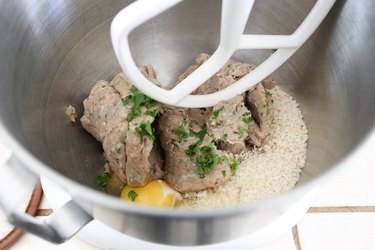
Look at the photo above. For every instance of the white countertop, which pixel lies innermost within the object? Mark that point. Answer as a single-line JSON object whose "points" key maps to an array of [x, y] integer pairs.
{"points": [[341, 217]]}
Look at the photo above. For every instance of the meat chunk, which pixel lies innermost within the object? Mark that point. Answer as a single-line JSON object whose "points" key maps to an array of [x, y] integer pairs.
{"points": [[199, 115], [261, 106], [268, 83], [130, 155], [228, 74], [139, 170], [98, 105], [105, 118], [181, 172], [200, 59], [228, 126], [200, 145], [226, 132]]}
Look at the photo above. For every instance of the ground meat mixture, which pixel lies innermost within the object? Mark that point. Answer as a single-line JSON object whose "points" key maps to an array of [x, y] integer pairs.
{"points": [[196, 151], [123, 129]]}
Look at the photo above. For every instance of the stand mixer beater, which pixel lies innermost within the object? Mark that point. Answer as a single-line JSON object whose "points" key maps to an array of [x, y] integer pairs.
{"points": [[234, 16]]}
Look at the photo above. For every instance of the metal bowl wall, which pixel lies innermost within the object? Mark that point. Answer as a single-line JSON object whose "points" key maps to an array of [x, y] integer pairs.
{"points": [[53, 51]]}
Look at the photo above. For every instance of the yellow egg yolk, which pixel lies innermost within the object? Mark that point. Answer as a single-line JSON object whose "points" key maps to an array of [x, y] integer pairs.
{"points": [[156, 193]]}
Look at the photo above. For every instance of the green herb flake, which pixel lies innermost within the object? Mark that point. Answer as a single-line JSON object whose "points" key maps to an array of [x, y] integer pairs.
{"points": [[134, 114], [224, 158], [151, 103], [139, 100], [200, 134], [216, 113], [269, 94], [206, 161], [181, 132], [187, 121], [152, 112], [233, 163], [225, 138], [191, 150], [224, 173], [126, 100], [132, 195], [274, 50], [101, 180], [247, 119], [145, 129], [243, 131]]}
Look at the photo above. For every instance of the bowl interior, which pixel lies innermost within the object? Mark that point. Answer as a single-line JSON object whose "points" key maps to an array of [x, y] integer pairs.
{"points": [[53, 53]]}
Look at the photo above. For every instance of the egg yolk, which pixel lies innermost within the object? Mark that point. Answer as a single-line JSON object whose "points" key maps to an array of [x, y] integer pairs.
{"points": [[155, 193]]}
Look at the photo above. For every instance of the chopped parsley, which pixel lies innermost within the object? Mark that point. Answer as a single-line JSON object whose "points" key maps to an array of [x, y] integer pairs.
{"points": [[216, 113], [132, 195], [268, 93], [139, 100], [224, 173], [243, 131], [145, 129], [204, 157], [269, 100], [181, 132], [101, 180], [206, 160], [248, 118], [274, 50], [225, 138], [191, 150], [152, 112], [200, 134], [151, 103], [233, 163]]}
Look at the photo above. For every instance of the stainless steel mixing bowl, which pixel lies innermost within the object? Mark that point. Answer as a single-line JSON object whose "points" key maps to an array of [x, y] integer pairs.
{"points": [[53, 51]]}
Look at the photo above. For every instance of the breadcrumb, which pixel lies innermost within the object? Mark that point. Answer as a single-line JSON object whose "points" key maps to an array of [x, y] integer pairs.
{"points": [[70, 112], [265, 172]]}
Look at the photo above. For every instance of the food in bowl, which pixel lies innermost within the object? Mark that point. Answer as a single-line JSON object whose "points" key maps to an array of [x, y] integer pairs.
{"points": [[248, 148]]}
